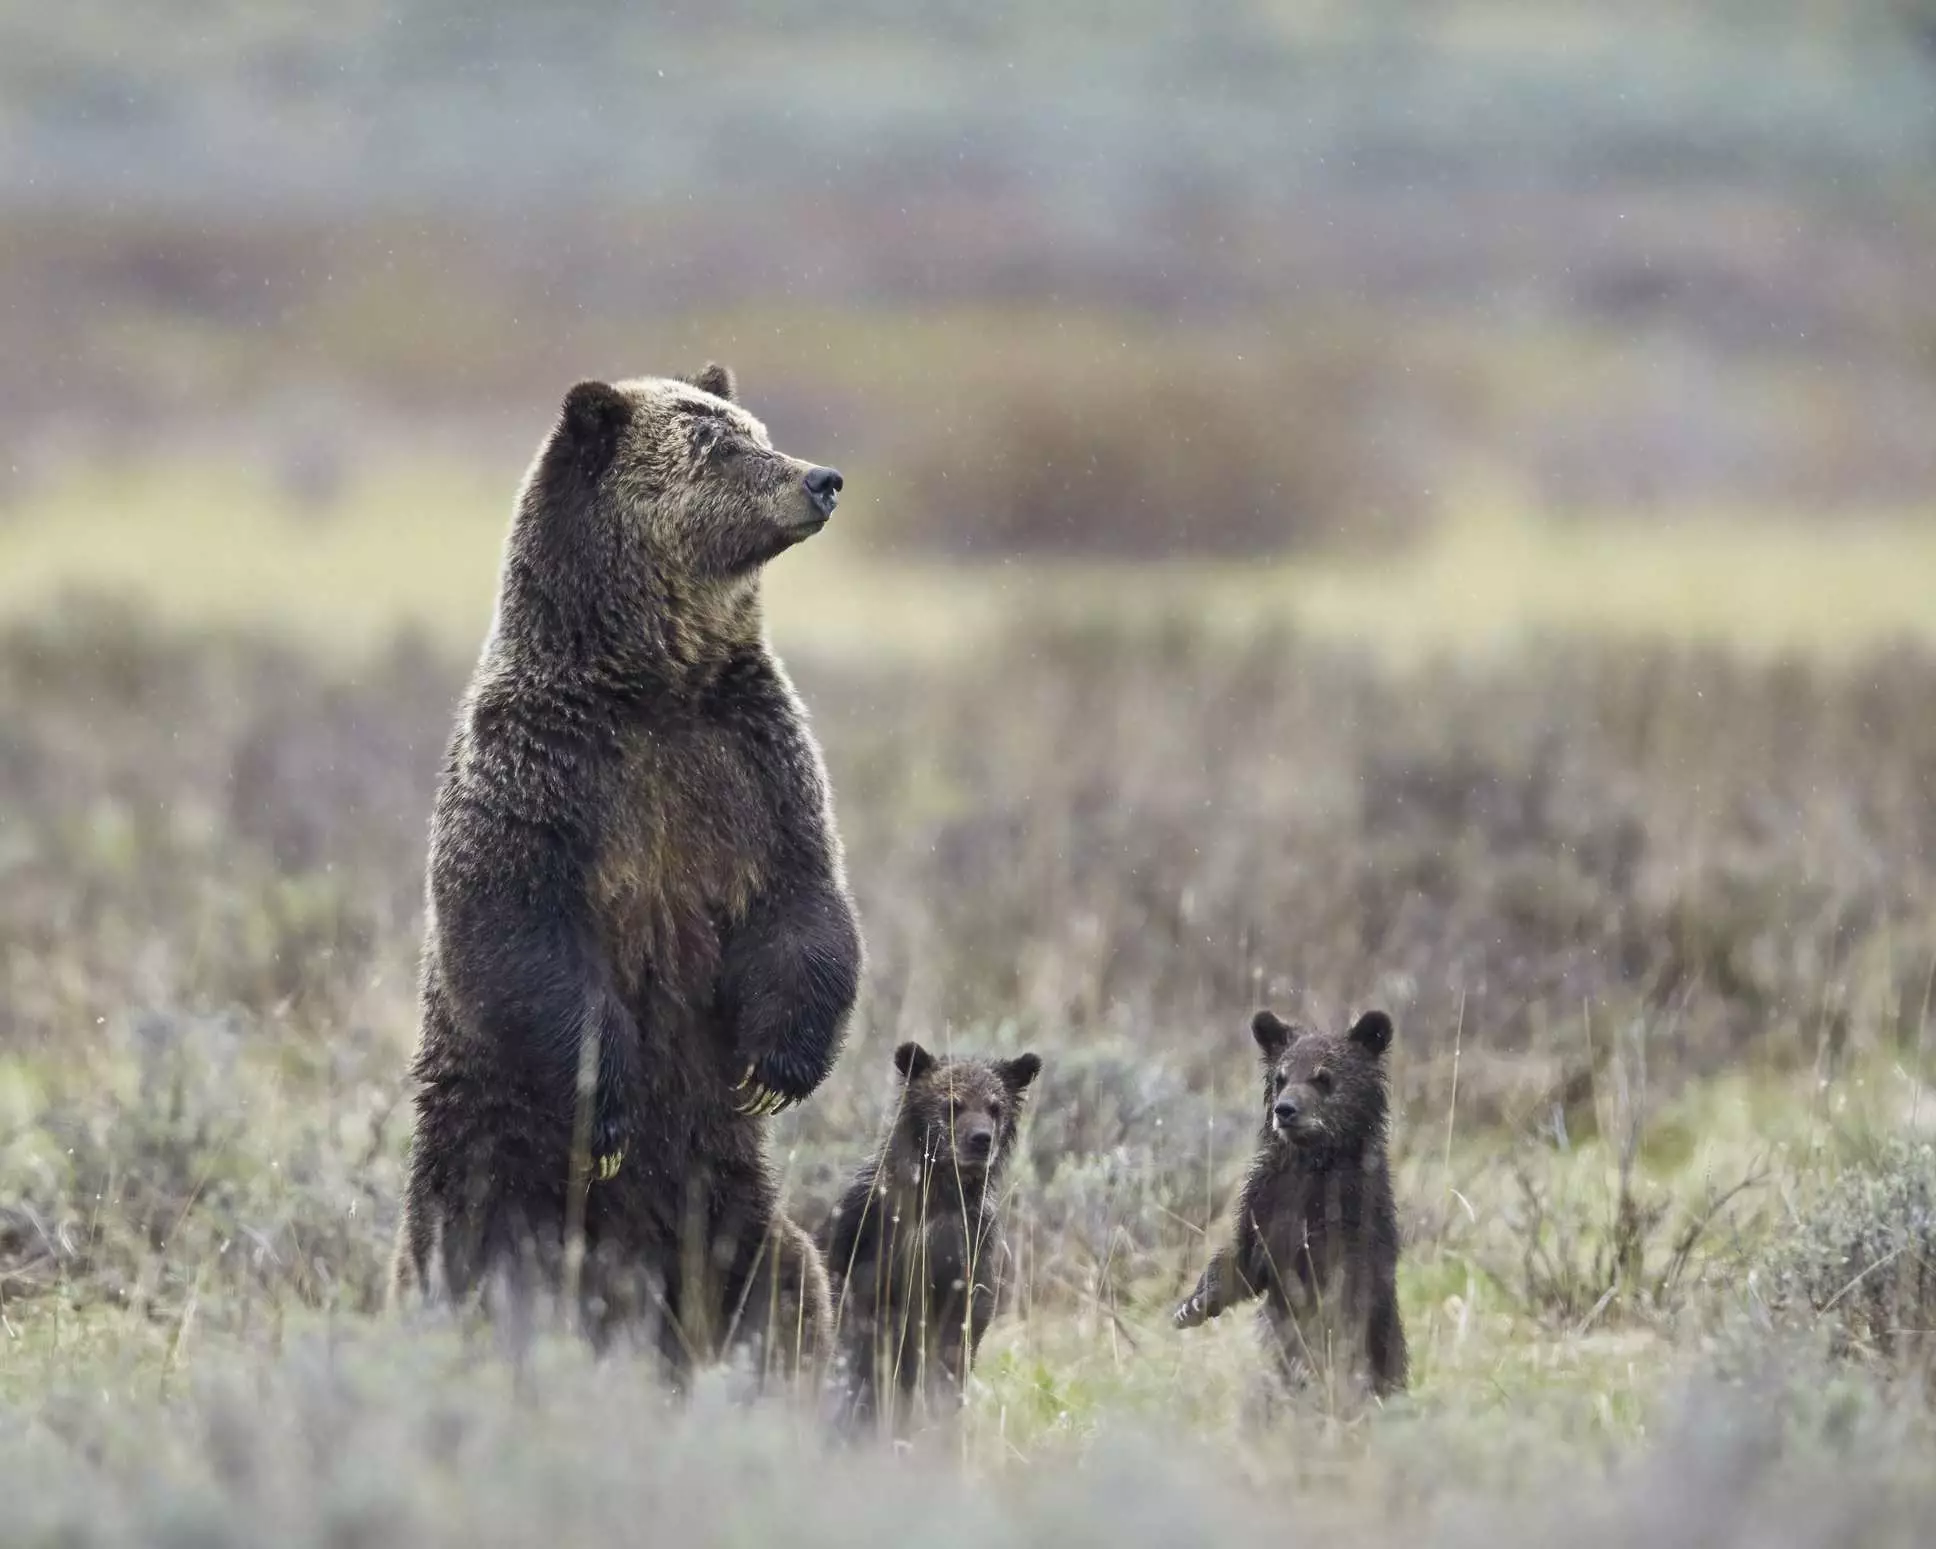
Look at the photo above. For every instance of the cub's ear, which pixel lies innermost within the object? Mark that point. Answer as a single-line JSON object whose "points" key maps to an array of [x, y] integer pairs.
{"points": [[1272, 1032], [715, 379], [1372, 1032], [1019, 1072], [594, 415], [913, 1061]]}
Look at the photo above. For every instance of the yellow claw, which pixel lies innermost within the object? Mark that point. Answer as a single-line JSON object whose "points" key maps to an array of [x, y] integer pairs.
{"points": [[608, 1166], [764, 1102]]}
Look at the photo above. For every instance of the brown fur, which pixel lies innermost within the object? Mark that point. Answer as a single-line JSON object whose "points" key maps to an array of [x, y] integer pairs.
{"points": [[1317, 1228], [638, 923], [915, 1247]]}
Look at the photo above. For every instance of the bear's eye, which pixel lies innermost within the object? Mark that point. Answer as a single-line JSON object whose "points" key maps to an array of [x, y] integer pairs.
{"points": [[995, 1112], [1322, 1083], [713, 437], [1277, 1081]]}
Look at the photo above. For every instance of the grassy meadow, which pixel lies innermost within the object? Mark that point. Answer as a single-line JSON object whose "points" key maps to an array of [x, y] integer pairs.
{"points": [[1632, 827], [1426, 505], [412, 544]]}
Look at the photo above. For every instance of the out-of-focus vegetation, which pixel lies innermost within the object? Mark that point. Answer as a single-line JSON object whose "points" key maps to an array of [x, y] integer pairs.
{"points": [[1425, 504], [1659, 928], [414, 544], [1209, 278], [1862, 1261]]}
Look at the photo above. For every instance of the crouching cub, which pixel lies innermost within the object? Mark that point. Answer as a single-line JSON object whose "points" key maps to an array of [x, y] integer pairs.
{"points": [[914, 1249], [1317, 1229]]}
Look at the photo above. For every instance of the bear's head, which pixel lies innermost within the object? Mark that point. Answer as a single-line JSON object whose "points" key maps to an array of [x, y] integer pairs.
{"points": [[960, 1111], [648, 513], [1324, 1093]]}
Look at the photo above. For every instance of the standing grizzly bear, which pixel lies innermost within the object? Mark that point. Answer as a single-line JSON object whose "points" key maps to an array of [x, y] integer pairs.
{"points": [[639, 938], [1317, 1229], [915, 1248]]}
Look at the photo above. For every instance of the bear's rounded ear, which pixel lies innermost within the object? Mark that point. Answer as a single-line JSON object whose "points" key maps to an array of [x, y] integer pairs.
{"points": [[1272, 1032], [1372, 1032], [1019, 1072], [913, 1061], [715, 379], [593, 415]]}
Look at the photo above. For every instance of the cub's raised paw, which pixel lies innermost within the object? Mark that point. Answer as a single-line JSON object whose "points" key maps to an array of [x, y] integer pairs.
{"points": [[1188, 1314]]}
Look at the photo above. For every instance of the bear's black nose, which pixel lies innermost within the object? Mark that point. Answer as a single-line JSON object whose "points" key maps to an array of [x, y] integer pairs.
{"points": [[823, 488], [1286, 1110]]}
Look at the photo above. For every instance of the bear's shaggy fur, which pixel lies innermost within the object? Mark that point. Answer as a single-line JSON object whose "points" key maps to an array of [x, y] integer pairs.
{"points": [[639, 936], [915, 1248], [1317, 1229]]}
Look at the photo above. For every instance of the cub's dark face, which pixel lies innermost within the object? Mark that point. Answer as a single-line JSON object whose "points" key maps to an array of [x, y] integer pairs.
{"points": [[962, 1112], [1324, 1093], [676, 467]]}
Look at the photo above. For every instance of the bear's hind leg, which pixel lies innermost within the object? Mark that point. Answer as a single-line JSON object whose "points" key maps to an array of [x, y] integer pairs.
{"points": [[785, 1318]]}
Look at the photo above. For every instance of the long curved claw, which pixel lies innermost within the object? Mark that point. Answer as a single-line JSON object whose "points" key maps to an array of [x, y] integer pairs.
{"points": [[759, 1100], [606, 1167]]}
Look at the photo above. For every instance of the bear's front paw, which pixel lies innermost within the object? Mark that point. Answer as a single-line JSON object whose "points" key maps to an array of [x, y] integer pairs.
{"points": [[608, 1146], [773, 1083], [1190, 1312]]}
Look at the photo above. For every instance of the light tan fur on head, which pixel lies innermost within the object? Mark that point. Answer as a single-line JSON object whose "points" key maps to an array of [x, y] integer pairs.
{"points": [[666, 497], [693, 470]]}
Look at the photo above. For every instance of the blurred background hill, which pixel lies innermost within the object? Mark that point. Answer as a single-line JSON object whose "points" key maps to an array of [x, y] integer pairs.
{"points": [[1084, 282]]}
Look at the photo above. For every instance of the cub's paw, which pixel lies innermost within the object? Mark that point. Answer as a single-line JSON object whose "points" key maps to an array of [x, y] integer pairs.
{"points": [[1189, 1312]]}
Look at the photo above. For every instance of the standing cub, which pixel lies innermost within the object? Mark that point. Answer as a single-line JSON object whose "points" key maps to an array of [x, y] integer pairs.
{"points": [[1317, 1229], [915, 1251]]}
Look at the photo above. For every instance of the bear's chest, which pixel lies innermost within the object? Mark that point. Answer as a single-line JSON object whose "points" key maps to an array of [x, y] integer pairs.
{"points": [[684, 852], [1311, 1232]]}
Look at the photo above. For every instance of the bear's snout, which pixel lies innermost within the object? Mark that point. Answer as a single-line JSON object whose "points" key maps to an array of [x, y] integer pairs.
{"points": [[823, 489], [974, 1140]]}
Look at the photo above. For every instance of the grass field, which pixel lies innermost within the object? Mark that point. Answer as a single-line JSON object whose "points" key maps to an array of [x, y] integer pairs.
{"points": [[1639, 847], [415, 545], [1576, 377]]}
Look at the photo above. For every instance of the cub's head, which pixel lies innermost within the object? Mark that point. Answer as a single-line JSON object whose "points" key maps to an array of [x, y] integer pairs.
{"points": [[959, 1110], [1324, 1093], [658, 491]]}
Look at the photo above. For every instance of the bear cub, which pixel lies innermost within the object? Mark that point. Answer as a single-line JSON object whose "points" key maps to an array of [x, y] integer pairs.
{"points": [[1317, 1229], [915, 1251]]}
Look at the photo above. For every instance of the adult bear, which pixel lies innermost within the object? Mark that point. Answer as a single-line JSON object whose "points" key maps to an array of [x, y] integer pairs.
{"points": [[639, 938]]}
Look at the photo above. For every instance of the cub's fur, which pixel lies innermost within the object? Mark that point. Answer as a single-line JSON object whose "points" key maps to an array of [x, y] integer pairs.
{"points": [[1317, 1229], [915, 1249]]}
